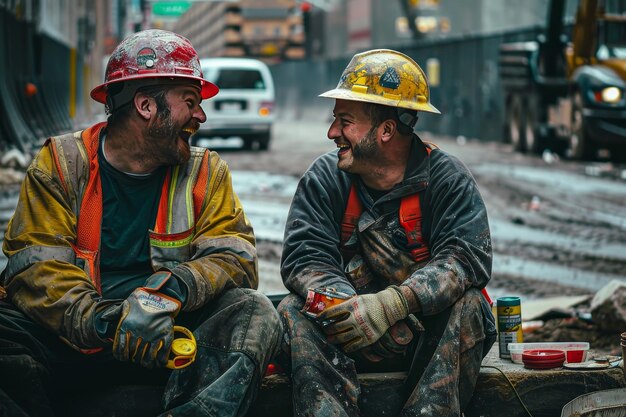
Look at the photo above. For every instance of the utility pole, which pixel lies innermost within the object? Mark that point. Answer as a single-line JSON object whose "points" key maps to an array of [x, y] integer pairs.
{"points": [[305, 8], [409, 7]]}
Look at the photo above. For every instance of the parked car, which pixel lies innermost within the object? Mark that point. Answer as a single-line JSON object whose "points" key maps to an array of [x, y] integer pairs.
{"points": [[244, 106]]}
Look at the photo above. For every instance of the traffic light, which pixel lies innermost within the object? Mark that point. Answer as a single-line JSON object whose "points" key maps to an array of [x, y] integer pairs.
{"points": [[306, 7]]}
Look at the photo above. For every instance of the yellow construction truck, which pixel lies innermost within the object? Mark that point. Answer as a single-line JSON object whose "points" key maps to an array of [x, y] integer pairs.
{"points": [[567, 89]]}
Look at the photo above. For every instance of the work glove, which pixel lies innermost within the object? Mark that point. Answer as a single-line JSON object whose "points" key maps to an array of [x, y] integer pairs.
{"points": [[362, 320], [145, 330], [395, 342]]}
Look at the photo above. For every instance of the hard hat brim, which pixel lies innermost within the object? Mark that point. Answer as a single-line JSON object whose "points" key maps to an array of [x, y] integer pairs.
{"points": [[342, 94], [208, 90]]}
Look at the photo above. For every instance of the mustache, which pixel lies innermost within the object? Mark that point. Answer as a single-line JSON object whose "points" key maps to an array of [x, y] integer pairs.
{"points": [[193, 126]]}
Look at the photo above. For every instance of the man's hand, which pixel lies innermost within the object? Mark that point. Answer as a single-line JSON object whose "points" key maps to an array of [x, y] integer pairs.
{"points": [[396, 341], [145, 331], [362, 320]]}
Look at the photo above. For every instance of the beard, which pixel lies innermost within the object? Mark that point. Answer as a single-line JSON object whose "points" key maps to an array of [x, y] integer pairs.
{"points": [[362, 154], [367, 147], [167, 145]]}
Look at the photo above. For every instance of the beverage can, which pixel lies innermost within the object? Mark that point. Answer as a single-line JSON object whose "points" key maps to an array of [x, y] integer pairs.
{"points": [[509, 311], [319, 299]]}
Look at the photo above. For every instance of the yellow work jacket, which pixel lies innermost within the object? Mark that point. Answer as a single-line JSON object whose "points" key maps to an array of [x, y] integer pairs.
{"points": [[52, 241]]}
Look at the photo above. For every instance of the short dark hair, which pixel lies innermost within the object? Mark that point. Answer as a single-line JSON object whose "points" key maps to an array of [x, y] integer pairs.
{"points": [[378, 113], [157, 92]]}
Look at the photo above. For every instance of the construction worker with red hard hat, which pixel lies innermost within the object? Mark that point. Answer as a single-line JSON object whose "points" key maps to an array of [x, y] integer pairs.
{"points": [[386, 254], [123, 232]]}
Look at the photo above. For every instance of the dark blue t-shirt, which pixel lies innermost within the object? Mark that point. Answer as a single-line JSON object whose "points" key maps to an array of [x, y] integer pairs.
{"points": [[129, 209]]}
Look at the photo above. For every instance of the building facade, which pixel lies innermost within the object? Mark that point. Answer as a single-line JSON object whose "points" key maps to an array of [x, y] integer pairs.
{"points": [[271, 30], [354, 25]]}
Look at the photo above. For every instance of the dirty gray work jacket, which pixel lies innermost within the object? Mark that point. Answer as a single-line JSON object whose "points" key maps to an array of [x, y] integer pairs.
{"points": [[454, 226]]}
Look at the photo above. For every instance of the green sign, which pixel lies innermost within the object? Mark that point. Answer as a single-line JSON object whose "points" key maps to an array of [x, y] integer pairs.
{"points": [[170, 8]]}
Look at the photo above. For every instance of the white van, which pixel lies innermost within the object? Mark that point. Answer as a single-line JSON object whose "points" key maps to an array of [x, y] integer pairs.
{"points": [[244, 106]]}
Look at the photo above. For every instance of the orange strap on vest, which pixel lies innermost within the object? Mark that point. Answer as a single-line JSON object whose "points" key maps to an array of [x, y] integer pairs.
{"points": [[199, 189], [410, 217], [351, 215], [162, 212]]}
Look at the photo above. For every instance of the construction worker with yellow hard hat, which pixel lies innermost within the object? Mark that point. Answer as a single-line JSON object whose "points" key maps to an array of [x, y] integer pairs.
{"points": [[396, 229]]}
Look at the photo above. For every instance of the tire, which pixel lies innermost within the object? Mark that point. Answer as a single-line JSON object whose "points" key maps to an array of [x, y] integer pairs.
{"points": [[258, 142], [579, 146], [264, 141], [248, 143], [515, 123], [618, 153]]}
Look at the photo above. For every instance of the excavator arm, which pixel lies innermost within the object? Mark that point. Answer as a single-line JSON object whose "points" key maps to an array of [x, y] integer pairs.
{"points": [[584, 37]]}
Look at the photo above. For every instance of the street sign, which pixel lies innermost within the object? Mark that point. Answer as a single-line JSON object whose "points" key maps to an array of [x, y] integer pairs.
{"points": [[170, 8]]}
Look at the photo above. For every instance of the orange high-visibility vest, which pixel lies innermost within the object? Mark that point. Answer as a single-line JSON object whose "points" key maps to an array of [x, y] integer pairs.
{"points": [[87, 244], [410, 217]]}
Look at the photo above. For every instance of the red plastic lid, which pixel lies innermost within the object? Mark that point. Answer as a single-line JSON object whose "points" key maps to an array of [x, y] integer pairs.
{"points": [[543, 358], [542, 365], [539, 360], [543, 355]]}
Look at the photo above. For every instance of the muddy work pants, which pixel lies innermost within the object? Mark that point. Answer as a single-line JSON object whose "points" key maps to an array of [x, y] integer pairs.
{"points": [[442, 366], [236, 336]]}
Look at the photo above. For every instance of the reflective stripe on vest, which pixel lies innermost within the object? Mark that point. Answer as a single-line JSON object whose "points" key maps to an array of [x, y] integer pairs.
{"points": [[409, 216], [184, 191]]}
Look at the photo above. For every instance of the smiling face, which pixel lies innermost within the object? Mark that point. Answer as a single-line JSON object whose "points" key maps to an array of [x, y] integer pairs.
{"points": [[170, 130], [355, 137]]}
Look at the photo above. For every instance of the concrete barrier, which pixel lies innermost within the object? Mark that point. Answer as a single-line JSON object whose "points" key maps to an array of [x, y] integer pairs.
{"points": [[501, 389]]}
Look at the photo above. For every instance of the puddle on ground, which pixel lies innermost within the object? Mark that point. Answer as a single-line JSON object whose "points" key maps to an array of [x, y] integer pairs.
{"points": [[549, 178]]}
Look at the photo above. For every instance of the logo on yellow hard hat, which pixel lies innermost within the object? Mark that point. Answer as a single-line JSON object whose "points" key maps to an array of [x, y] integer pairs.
{"points": [[390, 79]]}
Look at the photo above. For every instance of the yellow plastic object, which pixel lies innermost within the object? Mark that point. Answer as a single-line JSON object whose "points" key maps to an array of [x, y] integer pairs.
{"points": [[386, 77], [183, 351]]}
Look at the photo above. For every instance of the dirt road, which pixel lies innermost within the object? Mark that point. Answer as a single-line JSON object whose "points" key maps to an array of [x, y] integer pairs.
{"points": [[558, 227]]}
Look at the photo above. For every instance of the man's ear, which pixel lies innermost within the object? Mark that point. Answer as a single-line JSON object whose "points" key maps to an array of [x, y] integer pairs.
{"points": [[144, 105], [387, 130]]}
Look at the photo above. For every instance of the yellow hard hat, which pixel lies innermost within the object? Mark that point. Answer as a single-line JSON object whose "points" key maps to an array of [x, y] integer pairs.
{"points": [[385, 77]]}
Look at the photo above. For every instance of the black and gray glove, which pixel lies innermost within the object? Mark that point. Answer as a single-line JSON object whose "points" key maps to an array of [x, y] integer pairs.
{"points": [[145, 330]]}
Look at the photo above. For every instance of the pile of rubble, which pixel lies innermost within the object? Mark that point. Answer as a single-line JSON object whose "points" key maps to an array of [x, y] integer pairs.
{"points": [[599, 320]]}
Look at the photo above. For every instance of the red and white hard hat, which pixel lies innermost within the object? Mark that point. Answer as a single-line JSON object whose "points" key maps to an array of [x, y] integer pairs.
{"points": [[153, 56]]}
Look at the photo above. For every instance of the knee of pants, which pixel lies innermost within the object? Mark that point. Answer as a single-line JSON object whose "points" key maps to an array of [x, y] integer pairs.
{"points": [[290, 306], [295, 323], [291, 315], [265, 315], [472, 329], [241, 319], [270, 314]]}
